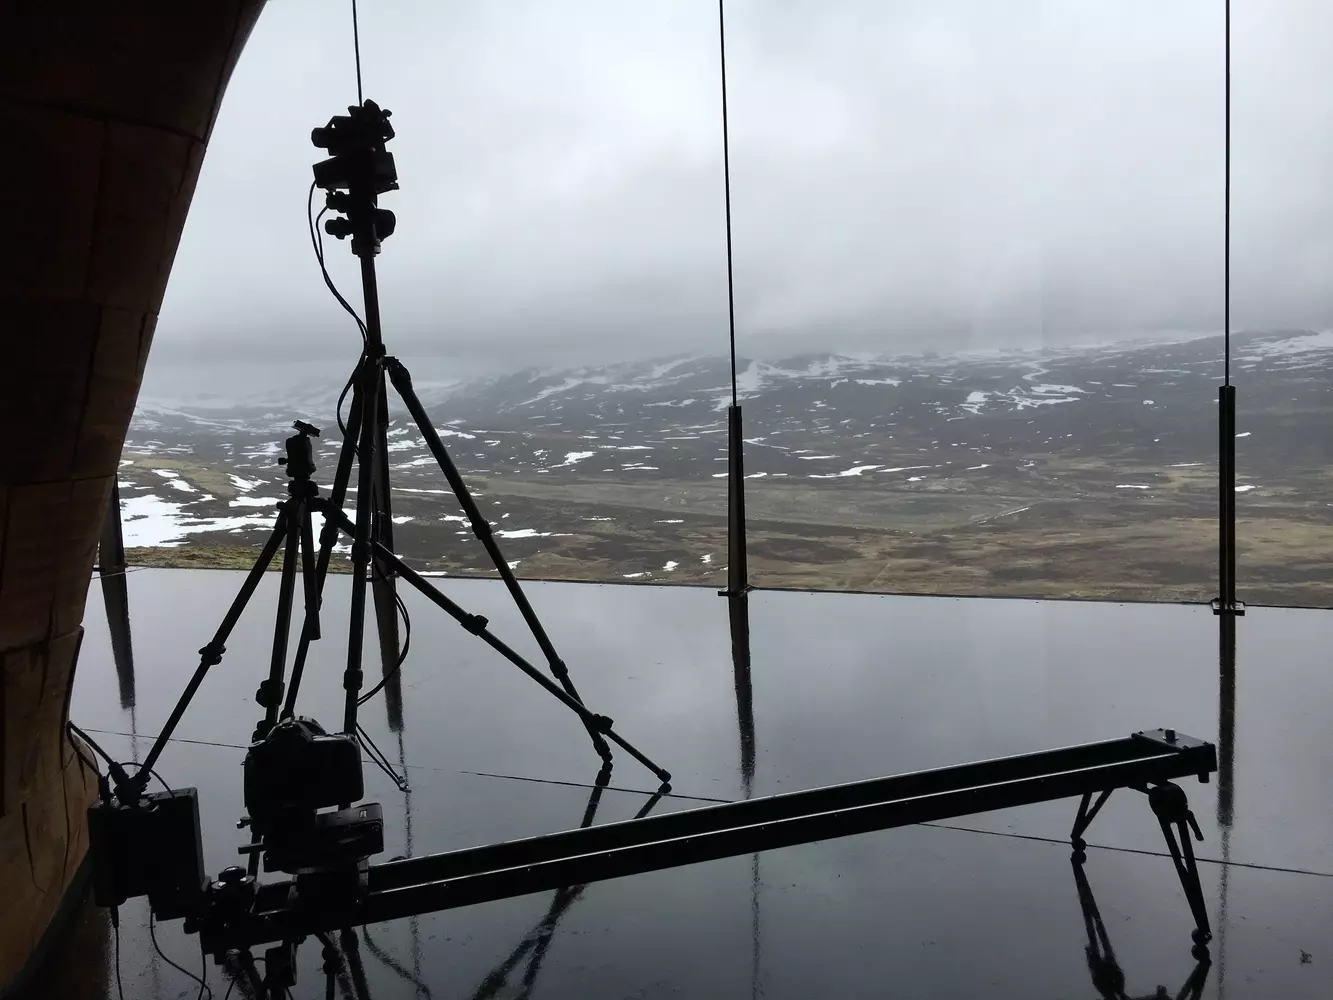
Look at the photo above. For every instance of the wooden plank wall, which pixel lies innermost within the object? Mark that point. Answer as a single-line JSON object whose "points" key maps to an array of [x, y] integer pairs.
{"points": [[105, 109]]}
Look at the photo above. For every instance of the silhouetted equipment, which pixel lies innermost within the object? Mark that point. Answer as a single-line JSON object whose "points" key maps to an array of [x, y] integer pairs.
{"points": [[738, 569], [151, 848], [1225, 604], [296, 774], [1147, 761]]}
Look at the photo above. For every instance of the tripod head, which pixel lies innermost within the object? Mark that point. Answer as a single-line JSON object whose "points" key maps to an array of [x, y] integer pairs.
{"points": [[358, 170], [300, 457]]}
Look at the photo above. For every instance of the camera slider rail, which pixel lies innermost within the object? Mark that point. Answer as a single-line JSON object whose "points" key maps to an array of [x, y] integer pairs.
{"points": [[1145, 761]]}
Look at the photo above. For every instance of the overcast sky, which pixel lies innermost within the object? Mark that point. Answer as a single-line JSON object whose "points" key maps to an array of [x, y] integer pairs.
{"points": [[904, 175]]}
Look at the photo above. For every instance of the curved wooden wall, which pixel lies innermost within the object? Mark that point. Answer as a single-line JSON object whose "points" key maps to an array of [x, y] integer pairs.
{"points": [[105, 111]]}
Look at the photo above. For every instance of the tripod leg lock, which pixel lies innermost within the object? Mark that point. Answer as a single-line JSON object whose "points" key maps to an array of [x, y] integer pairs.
{"points": [[559, 669], [602, 723], [328, 535], [211, 655], [270, 693], [476, 624], [483, 530], [352, 680]]}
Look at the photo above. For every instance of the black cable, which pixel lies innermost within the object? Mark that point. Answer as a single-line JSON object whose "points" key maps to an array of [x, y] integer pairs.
{"points": [[402, 656], [115, 926], [92, 743], [1226, 213], [230, 986], [91, 765], [726, 185], [203, 984], [317, 242], [378, 758], [169, 790], [338, 410]]}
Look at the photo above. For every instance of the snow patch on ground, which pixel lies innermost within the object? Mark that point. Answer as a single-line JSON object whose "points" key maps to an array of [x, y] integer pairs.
{"points": [[574, 458]]}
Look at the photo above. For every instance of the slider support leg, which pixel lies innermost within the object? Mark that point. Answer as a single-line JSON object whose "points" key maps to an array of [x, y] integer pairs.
{"points": [[1087, 812], [1171, 807]]}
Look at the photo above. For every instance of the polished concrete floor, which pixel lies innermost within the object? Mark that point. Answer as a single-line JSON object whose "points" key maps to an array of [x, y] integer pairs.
{"points": [[843, 687]]}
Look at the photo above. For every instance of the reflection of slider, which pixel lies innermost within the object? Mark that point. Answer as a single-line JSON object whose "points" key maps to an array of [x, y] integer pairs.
{"points": [[1107, 976]]}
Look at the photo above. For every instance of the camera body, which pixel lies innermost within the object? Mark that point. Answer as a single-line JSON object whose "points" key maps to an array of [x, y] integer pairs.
{"points": [[357, 157], [298, 769], [294, 772]]}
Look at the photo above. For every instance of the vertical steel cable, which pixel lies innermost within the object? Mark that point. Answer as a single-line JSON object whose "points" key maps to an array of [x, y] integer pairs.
{"points": [[1226, 210], [356, 48], [726, 184]]}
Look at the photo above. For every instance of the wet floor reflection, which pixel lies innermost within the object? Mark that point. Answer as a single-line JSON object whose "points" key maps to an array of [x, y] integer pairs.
{"points": [[738, 619], [1108, 978], [1226, 781], [835, 703], [116, 600]]}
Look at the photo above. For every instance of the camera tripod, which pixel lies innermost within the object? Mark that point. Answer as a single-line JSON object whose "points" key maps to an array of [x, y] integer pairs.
{"points": [[357, 172]]}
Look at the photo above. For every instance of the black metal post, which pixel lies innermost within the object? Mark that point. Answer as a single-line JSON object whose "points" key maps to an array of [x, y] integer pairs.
{"points": [[111, 545], [738, 568], [1226, 405]]}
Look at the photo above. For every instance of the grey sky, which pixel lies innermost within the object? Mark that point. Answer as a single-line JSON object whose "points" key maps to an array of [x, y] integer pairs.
{"points": [[904, 174]]}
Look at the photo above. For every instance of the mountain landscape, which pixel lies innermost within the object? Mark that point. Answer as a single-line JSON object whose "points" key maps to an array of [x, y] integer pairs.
{"points": [[1076, 472]]}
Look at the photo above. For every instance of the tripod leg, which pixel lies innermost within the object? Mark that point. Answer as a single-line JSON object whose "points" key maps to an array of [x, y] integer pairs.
{"points": [[308, 578], [1171, 808], [269, 694], [477, 626], [328, 537], [383, 587], [212, 653], [1084, 819], [313, 599], [361, 540], [481, 527]]}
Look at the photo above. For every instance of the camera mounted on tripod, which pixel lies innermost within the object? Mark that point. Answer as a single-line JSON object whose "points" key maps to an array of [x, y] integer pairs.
{"points": [[358, 170]]}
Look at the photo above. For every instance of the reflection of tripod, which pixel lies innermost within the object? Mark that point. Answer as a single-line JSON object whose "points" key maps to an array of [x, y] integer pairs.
{"points": [[1107, 976], [536, 942]]}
